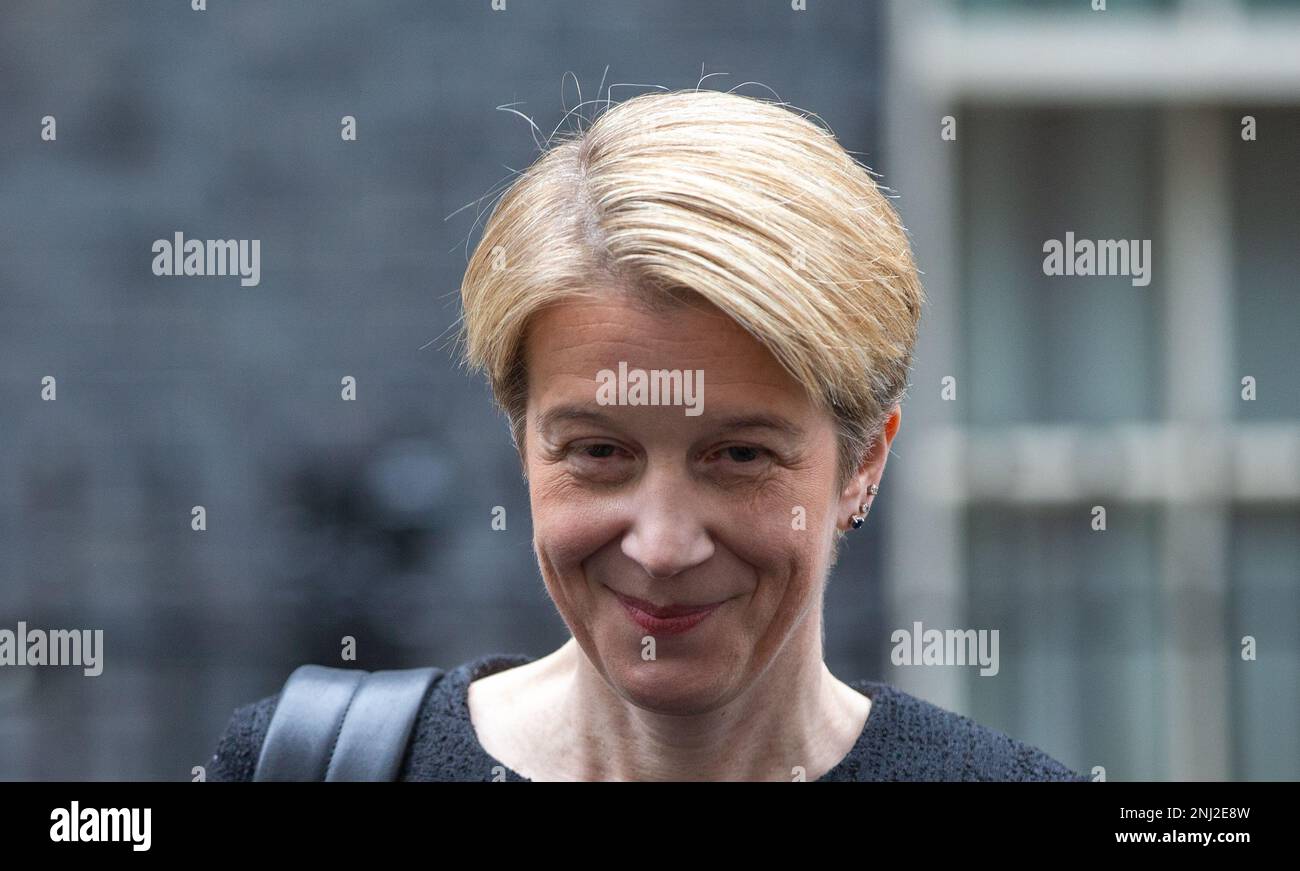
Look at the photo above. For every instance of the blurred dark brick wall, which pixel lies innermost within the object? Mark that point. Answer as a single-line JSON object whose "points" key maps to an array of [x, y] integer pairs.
{"points": [[325, 518]]}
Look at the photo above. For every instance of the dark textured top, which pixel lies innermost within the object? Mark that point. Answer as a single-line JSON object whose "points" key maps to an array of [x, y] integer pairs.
{"points": [[905, 738]]}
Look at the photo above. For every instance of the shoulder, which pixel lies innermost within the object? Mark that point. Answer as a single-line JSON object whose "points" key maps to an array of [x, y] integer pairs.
{"points": [[235, 758], [442, 744], [908, 738]]}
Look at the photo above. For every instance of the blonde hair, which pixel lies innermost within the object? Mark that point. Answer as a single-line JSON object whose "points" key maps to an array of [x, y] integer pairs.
{"points": [[674, 196]]}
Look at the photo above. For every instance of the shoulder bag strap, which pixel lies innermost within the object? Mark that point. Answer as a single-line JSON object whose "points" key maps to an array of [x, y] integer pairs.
{"points": [[342, 724]]}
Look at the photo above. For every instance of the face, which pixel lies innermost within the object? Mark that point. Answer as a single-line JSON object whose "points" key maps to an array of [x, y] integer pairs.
{"points": [[685, 552]]}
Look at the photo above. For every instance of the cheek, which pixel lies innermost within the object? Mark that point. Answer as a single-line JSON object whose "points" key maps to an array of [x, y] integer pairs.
{"points": [[569, 523], [783, 535]]}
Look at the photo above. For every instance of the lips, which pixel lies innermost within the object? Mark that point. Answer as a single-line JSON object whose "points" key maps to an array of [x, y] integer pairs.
{"points": [[665, 619], [665, 610]]}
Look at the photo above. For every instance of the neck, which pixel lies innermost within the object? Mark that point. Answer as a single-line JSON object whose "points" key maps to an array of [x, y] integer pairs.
{"points": [[796, 721]]}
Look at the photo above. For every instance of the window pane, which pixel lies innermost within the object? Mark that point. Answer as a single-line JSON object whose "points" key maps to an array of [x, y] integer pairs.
{"points": [[1080, 640], [1266, 606], [1061, 348], [1266, 218]]}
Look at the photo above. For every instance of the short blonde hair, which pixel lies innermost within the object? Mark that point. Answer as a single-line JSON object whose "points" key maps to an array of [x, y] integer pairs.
{"points": [[686, 194]]}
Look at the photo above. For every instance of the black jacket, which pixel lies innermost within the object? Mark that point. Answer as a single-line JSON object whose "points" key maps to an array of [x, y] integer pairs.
{"points": [[905, 739]]}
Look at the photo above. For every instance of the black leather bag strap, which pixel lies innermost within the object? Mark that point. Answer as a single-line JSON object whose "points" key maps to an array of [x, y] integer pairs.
{"points": [[342, 724]]}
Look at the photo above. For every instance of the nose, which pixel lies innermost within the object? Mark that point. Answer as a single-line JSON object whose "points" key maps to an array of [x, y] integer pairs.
{"points": [[667, 535]]}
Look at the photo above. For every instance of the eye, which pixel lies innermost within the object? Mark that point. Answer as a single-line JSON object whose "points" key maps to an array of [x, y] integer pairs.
{"points": [[743, 453], [741, 456], [599, 462], [594, 454]]}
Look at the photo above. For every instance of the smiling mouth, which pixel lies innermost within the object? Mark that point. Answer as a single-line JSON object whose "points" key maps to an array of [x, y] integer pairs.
{"points": [[665, 619]]}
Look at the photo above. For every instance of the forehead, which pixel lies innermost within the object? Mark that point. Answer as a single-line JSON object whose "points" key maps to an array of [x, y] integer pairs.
{"points": [[575, 339], [741, 383]]}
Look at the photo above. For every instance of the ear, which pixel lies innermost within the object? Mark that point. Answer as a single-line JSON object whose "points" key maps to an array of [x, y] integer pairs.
{"points": [[856, 491]]}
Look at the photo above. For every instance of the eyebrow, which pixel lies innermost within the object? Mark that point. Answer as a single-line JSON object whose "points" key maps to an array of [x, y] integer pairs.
{"points": [[563, 413], [773, 422]]}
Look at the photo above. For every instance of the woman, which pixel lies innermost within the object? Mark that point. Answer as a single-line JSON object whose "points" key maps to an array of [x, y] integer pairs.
{"points": [[698, 316]]}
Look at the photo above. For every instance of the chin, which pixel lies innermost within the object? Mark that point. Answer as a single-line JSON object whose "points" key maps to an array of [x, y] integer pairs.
{"points": [[677, 682]]}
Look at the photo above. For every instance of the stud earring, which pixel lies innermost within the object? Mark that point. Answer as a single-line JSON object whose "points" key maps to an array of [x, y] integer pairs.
{"points": [[864, 509]]}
